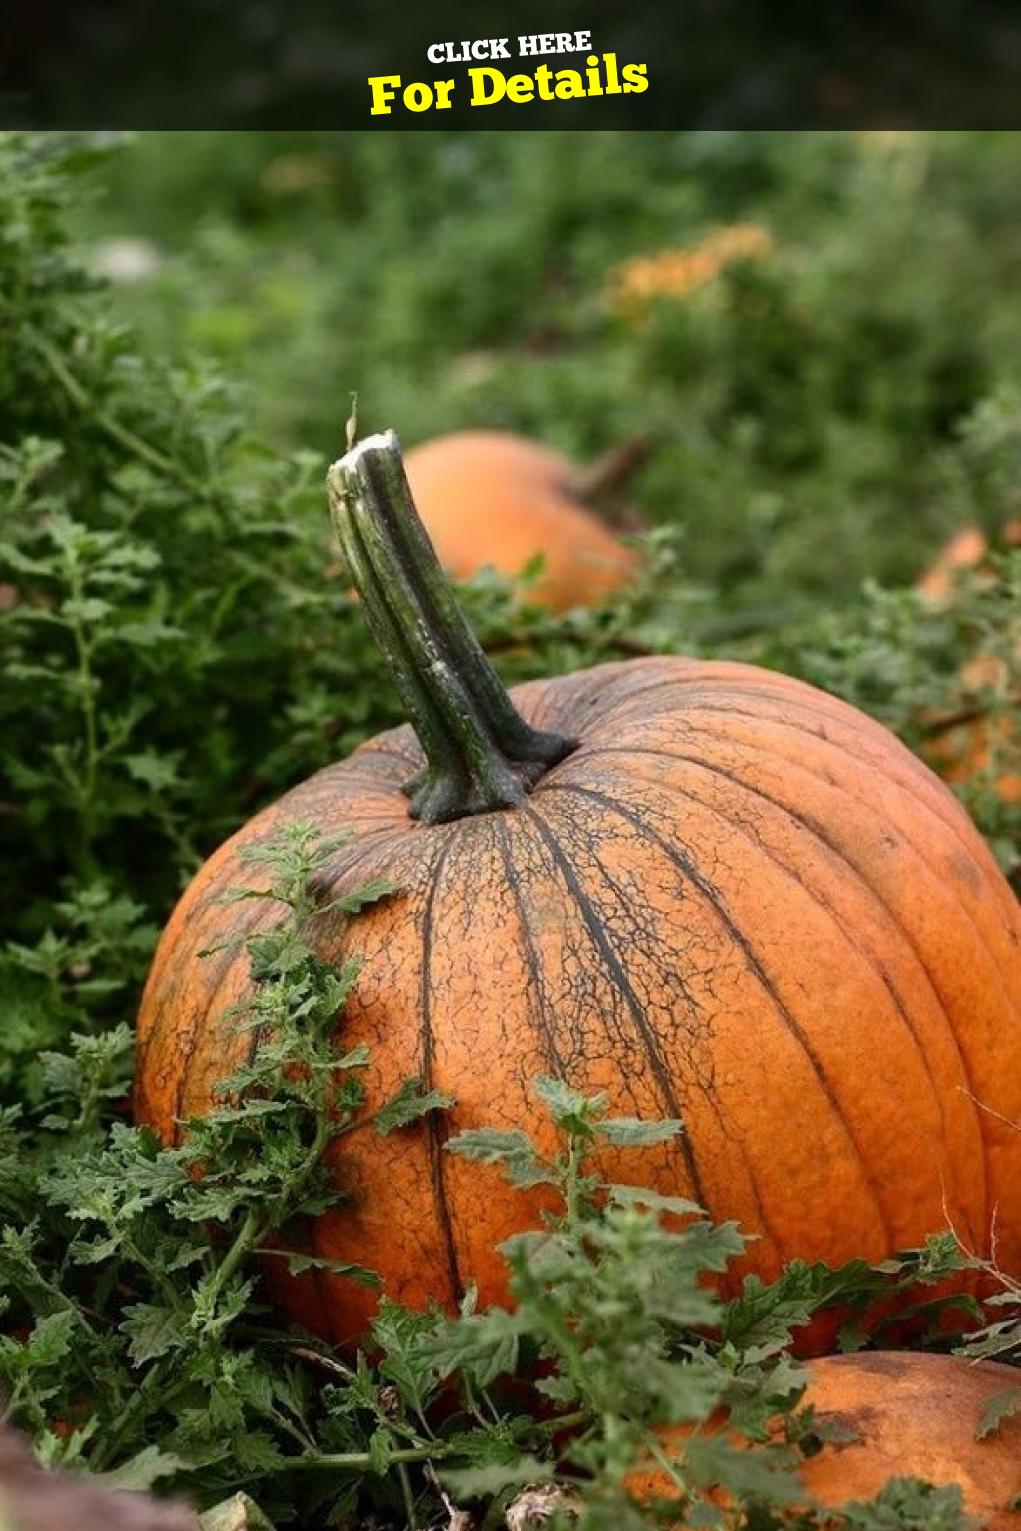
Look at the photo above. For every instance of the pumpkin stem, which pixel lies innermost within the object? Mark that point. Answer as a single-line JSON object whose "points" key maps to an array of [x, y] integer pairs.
{"points": [[481, 755], [599, 486]]}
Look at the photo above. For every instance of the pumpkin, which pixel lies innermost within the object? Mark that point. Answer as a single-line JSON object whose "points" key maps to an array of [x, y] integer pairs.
{"points": [[977, 741], [489, 498], [979, 746], [965, 551], [902, 1415], [710, 890]]}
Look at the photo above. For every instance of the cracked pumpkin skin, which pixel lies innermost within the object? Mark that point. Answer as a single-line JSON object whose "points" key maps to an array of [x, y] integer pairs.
{"points": [[733, 900]]}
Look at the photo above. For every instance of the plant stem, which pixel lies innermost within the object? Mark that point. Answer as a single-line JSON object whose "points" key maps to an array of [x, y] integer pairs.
{"points": [[481, 754]]}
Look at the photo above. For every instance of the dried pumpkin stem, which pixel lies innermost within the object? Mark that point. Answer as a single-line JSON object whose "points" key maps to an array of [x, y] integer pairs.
{"points": [[481, 755]]}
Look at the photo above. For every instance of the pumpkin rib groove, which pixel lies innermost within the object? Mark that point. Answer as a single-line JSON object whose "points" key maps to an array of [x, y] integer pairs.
{"points": [[373, 747], [434, 1129], [912, 844], [533, 966], [615, 970], [899, 932], [870, 958], [956, 825], [816, 896], [764, 1227], [195, 1037], [920, 774], [242, 925], [197, 936], [714, 898], [227, 875]]}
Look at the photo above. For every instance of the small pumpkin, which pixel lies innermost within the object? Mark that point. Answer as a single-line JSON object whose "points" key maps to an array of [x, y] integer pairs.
{"points": [[964, 552], [710, 890], [898, 1414], [490, 498], [975, 741]]}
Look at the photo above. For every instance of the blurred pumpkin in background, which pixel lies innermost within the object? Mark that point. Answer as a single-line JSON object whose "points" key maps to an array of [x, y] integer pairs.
{"points": [[979, 738], [497, 500]]}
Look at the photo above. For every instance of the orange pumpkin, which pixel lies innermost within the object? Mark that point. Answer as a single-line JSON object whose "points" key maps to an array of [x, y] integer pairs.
{"points": [[966, 550], [960, 752], [903, 1415], [708, 889], [488, 498], [980, 742]]}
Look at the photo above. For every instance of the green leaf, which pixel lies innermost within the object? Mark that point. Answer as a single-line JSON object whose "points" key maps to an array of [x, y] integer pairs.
{"points": [[571, 1111], [153, 1331], [297, 1263], [142, 1470], [632, 1132], [474, 1482], [513, 1150], [995, 1410], [640, 1196], [372, 892], [409, 1104], [50, 1340], [153, 769], [381, 1443]]}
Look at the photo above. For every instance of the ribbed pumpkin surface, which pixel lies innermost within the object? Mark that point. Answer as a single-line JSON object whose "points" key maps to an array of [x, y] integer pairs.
{"points": [[739, 902]]}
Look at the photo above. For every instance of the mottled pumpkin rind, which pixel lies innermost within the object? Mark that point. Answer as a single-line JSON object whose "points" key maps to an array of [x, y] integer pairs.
{"points": [[900, 1414], [739, 901]]}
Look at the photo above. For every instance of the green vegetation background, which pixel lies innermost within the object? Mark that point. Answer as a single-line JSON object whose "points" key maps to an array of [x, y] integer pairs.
{"points": [[184, 318]]}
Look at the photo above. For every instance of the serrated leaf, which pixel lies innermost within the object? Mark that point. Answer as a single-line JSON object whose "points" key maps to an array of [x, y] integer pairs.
{"points": [[513, 1150], [50, 1340], [640, 1196], [297, 1263], [476, 1482], [152, 769], [489, 1145], [380, 1446], [571, 1111], [153, 1331], [142, 1470], [373, 891], [633, 1132], [996, 1409], [408, 1105]]}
